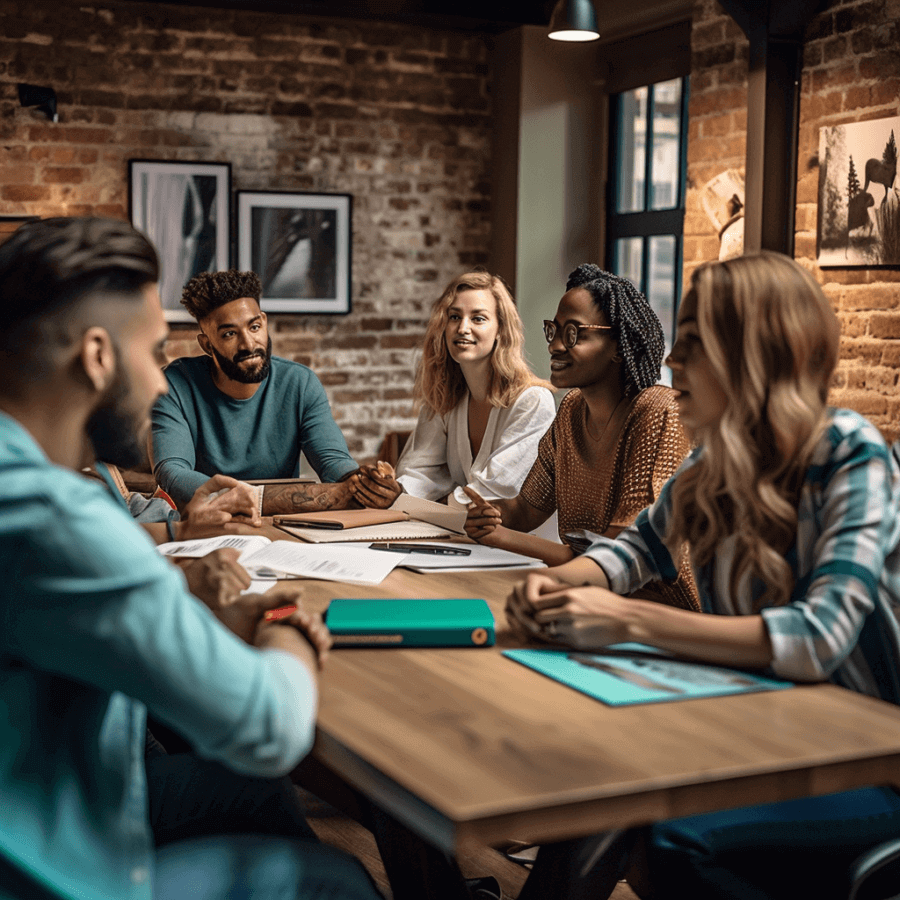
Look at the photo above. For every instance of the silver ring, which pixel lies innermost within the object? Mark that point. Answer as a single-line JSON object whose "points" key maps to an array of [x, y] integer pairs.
{"points": [[550, 628]]}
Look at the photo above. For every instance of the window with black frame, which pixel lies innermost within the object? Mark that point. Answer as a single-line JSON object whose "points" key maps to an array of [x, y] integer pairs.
{"points": [[645, 218]]}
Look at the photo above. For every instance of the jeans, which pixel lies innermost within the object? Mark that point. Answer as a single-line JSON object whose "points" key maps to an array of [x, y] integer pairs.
{"points": [[255, 867], [191, 797], [225, 836], [775, 851]]}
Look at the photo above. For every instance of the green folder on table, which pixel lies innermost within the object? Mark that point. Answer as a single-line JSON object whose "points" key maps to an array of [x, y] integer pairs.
{"points": [[410, 623]]}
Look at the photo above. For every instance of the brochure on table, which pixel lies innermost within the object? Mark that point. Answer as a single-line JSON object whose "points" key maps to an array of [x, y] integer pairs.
{"points": [[626, 674]]}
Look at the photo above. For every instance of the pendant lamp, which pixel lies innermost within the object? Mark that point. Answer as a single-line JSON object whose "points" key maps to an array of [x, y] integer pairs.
{"points": [[574, 20]]}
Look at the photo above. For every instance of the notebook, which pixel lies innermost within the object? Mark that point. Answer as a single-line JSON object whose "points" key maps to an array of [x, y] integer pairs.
{"points": [[410, 623], [415, 519], [341, 519], [392, 531]]}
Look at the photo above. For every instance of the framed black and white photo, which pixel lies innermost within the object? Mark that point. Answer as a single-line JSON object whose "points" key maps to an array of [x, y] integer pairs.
{"points": [[859, 196], [185, 209], [299, 244]]}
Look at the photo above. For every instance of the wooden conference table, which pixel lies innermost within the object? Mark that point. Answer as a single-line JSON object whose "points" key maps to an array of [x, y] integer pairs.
{"points": [[464, 745]]}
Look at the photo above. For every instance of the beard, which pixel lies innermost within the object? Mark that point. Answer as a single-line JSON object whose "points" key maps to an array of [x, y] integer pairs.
{"points": [[231, 368], [116, 433]]}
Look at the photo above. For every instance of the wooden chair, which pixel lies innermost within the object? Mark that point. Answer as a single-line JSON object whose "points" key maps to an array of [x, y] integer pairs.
{"points": [[392, 446]]}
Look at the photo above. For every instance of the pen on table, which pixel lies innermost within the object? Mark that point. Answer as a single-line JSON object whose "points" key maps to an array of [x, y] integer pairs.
{"points": [[422, 548]]}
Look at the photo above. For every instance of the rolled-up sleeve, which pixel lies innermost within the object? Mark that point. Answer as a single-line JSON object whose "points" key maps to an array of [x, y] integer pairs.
{"points": [[422, 469], [813, 635], [640, 553]]}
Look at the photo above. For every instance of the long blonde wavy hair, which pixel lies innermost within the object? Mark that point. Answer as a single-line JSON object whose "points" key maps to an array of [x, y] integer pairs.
{"points": [[440, 383], [772, 340]]}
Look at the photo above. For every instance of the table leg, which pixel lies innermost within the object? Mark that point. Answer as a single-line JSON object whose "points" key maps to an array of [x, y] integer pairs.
{"points": [[415, 869]]}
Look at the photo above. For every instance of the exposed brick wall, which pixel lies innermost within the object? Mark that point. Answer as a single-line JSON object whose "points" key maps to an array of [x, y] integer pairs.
{"points": [[851, 73], [717, 114], [396, 116]]}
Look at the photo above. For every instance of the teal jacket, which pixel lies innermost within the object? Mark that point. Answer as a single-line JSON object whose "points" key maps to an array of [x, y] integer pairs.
{"points": [[95, 628]]}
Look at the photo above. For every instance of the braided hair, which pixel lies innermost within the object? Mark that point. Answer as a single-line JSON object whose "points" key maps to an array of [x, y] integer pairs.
{"points": [[636, 328]]}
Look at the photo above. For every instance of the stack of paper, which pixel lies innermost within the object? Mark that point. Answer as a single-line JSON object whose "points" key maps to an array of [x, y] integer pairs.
{"points": [[259, 555]]}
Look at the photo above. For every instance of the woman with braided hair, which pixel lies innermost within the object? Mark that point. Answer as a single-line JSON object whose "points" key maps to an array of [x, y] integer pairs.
{"points": [[615, 441]]}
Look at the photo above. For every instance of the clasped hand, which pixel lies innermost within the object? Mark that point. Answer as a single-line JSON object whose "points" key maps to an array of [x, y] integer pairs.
{"points": [[375, 486], [546, 609], [220, 501], [483, 519], [218, 580]]}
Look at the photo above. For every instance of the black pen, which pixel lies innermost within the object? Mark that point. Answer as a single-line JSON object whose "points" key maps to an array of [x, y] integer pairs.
{"points": [[422, 548]]}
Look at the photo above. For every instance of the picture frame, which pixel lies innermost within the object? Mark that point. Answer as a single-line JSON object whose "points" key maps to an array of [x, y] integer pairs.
{"points": [[859, 195], [185, 210], [300, 245]]}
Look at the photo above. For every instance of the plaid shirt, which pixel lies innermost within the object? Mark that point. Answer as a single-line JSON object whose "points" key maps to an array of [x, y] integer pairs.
{"points": [[839, 624]]}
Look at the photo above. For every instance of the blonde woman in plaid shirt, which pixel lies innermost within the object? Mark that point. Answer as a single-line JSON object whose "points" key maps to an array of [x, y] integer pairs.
{"points": [[790, 510]]}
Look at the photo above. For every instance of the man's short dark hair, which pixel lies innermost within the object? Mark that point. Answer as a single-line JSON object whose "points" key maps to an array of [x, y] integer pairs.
{"points": [[49, 265], [206, 292]]}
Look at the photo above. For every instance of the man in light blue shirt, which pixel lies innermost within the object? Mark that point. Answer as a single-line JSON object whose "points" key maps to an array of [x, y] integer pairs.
{"points": [[96, 628], [240, 411]]}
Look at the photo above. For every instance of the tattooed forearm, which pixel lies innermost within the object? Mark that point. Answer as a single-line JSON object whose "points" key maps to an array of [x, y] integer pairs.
{"points": [[292, 498]]}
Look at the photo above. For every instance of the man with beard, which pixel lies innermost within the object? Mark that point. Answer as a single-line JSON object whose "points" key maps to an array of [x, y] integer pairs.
{"points": [[242, 412], [98, 628]]}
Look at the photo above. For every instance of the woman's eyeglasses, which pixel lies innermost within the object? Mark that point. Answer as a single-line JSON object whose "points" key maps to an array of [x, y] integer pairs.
{"points": [[570, 332]]}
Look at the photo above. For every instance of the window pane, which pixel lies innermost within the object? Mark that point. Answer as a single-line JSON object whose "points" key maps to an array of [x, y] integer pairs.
{"points": [[630, 259], [661, 293], [666, 144], [630, 152]]}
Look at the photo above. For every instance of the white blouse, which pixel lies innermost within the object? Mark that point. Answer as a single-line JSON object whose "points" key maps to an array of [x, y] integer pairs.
{"points": [[437, 460]]}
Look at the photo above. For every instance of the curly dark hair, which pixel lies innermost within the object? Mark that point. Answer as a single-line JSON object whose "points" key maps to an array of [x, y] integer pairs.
{"points": [[636, 328], [206, 292]]}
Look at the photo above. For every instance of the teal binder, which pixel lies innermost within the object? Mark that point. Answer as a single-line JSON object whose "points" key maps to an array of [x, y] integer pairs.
{"points": [[410, 623]]}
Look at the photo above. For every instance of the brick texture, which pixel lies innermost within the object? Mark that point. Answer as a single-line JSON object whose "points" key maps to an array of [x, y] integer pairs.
{"points": [[851, 73], [396, 116]]}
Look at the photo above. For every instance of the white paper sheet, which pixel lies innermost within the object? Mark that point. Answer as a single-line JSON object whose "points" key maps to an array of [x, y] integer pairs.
{"points": [[330, 562], [259, 586], [246, 543], [433, 513]]}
